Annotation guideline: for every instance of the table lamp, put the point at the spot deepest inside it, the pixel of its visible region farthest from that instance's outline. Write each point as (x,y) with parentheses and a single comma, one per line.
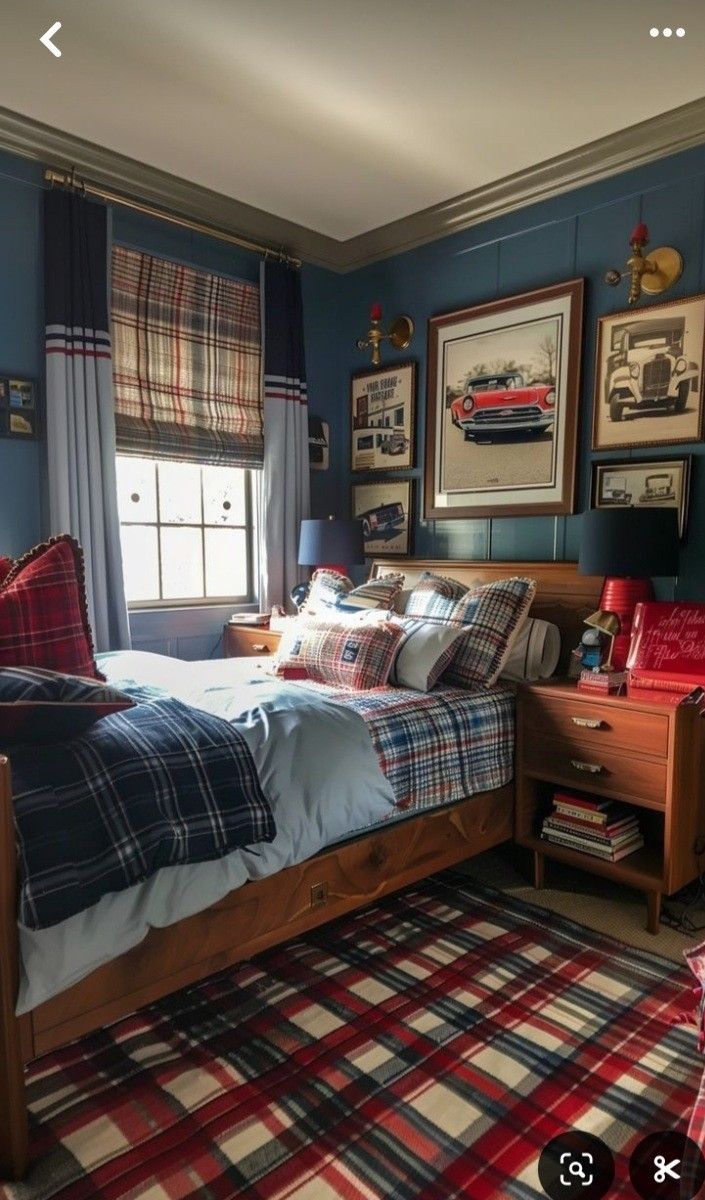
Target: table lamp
(329,543)
(627,546)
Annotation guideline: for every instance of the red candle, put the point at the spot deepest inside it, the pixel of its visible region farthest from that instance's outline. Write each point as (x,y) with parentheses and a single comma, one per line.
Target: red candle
(640,233)
(376,312)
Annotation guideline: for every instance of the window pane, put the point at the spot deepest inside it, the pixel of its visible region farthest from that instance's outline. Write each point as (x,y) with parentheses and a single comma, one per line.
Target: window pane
(182,563)
(136,488)
(223,496)
(140,562)
(226,562)
(179,493)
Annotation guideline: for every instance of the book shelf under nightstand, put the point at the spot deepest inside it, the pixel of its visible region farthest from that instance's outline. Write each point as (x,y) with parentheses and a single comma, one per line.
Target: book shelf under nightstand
(646,755)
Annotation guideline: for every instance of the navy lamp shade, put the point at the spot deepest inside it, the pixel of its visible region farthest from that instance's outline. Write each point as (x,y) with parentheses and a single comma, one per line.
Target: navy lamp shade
(331,542)
(627,546)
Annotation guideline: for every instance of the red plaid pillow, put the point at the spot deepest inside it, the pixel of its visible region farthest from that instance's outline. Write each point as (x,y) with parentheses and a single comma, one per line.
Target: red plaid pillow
(43,611)
(6,565)
(346,656)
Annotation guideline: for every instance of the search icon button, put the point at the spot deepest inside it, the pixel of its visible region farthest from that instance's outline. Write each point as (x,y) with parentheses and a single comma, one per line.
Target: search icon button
(576,1164)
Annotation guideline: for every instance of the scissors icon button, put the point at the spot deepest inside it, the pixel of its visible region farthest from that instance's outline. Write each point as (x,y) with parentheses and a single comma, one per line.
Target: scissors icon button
(663,1168)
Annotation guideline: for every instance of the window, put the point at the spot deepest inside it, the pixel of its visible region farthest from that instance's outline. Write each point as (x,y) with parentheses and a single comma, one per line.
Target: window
(186,532)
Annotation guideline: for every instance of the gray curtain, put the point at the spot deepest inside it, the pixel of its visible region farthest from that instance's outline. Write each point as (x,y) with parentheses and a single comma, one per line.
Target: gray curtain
(80,420)
(284,482)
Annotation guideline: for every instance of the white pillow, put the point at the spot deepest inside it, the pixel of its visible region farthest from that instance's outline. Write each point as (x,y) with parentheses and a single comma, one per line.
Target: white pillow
(424,652)
(535,653)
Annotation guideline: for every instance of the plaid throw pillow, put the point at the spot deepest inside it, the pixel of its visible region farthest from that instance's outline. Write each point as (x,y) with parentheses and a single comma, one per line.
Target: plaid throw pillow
(5,567)
(334,597)
(43,706)
(493,616)
(357,657)
(43,612)
(434,596)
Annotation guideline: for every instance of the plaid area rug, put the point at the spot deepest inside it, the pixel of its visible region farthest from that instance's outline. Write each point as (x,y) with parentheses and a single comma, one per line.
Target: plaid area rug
(424,1049)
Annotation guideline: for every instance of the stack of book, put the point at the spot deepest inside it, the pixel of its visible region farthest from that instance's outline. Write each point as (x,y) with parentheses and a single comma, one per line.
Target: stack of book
(606,683)
(600,827)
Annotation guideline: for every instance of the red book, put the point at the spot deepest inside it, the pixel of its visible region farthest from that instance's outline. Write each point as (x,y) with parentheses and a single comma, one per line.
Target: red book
(667,650)
(581,801)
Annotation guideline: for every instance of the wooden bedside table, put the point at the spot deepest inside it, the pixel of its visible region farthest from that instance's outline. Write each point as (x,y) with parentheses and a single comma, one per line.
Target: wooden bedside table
(645,755)
(249,641)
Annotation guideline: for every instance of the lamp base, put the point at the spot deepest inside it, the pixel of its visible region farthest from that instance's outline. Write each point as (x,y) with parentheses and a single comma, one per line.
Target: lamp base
(621,597)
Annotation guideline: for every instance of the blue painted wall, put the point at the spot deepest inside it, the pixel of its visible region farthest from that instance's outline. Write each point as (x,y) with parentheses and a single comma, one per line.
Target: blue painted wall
(577,234)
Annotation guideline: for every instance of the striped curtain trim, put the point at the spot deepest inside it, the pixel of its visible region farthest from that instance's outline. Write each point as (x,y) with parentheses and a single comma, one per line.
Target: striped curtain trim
(279,387)
(77,342)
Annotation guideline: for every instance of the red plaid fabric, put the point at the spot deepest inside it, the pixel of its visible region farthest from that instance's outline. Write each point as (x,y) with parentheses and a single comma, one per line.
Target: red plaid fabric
(186,362)
(43,611)
(424,1049)
(346,656)
(5,567)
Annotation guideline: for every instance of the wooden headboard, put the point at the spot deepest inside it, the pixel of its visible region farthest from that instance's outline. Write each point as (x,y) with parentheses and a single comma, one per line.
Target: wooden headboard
(562,595)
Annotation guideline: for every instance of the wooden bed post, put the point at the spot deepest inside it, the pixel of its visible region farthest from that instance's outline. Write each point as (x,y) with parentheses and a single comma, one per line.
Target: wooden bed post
(13,1104)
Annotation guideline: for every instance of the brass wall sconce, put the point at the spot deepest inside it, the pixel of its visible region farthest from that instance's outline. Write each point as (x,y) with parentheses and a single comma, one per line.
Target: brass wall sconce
(401,331)
(652,275)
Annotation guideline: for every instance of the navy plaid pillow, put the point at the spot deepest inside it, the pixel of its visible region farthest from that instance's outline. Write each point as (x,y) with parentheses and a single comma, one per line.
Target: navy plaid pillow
(493,615)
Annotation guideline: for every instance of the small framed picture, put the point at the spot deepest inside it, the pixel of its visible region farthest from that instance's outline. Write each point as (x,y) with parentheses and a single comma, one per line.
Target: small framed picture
(652,483)
(382,415)
(18,408)
(649,376)
(384,508)
(318,444)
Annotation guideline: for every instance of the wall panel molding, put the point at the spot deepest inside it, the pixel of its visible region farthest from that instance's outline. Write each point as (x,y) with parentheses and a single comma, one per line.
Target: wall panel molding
(670,132)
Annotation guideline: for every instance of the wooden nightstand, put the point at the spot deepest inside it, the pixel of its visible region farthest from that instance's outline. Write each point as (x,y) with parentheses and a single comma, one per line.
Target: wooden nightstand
(646,755)
(249,641)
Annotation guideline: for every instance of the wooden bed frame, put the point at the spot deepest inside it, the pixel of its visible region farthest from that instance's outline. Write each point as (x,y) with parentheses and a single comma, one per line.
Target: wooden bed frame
(269,911)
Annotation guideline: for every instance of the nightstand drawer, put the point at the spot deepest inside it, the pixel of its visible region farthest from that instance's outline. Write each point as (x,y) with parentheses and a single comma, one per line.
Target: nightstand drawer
(596,769)
(587,722)
(242,642)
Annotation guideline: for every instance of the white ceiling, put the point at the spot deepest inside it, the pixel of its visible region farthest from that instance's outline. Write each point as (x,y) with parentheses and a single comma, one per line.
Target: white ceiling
(344,116)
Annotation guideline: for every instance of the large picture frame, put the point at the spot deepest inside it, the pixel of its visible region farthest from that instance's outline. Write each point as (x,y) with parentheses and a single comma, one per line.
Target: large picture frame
(649,376)
(383,418)
(642,482)
(385,508)
(502,406)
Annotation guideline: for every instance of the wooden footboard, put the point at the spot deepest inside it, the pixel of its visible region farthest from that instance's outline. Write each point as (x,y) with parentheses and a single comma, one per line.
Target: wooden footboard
(251,919)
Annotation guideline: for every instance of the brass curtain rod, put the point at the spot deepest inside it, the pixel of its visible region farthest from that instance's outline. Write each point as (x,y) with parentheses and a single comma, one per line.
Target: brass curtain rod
(68,179)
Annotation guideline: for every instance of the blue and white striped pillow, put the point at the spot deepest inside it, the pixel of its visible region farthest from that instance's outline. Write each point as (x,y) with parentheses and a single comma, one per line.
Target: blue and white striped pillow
(334,597)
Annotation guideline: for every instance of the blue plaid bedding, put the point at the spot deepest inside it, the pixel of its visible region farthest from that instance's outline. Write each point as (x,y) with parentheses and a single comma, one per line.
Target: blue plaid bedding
(440,746)
(157,785)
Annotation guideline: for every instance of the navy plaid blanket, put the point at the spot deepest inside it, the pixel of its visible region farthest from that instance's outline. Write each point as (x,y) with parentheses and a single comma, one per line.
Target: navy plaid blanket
(157,785)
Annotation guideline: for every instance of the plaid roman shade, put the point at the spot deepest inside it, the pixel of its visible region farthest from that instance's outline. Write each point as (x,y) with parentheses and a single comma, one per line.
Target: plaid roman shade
(186,362)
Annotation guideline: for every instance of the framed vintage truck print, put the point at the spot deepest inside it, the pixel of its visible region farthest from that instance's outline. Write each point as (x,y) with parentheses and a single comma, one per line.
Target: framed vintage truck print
(649,376)
(384,507)
(502,406)
(382,414)
(655,483)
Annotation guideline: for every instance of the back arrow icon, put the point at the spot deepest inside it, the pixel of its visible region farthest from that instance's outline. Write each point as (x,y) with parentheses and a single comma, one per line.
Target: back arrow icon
(45,39)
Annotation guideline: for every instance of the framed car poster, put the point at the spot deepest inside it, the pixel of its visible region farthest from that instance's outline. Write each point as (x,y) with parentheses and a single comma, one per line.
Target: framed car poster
(639,483)
(382,417)
(502,406)
(18,408)
(649,376)
(384,508)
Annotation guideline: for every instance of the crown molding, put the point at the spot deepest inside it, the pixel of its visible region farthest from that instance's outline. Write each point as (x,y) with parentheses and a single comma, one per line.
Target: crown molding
(670,132)
(138,181)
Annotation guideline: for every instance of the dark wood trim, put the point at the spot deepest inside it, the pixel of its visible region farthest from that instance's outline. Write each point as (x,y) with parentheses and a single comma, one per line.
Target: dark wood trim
(574,288)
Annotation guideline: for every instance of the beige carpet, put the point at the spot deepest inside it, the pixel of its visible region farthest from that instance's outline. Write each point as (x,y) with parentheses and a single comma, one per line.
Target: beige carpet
(588,899)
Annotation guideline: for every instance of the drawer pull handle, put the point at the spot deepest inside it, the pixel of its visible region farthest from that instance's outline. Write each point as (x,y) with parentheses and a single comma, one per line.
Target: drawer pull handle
(260,647)
(591,768)
(588,722)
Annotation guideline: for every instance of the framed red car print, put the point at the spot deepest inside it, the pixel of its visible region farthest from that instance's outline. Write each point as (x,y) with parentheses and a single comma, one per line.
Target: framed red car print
(502,406)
